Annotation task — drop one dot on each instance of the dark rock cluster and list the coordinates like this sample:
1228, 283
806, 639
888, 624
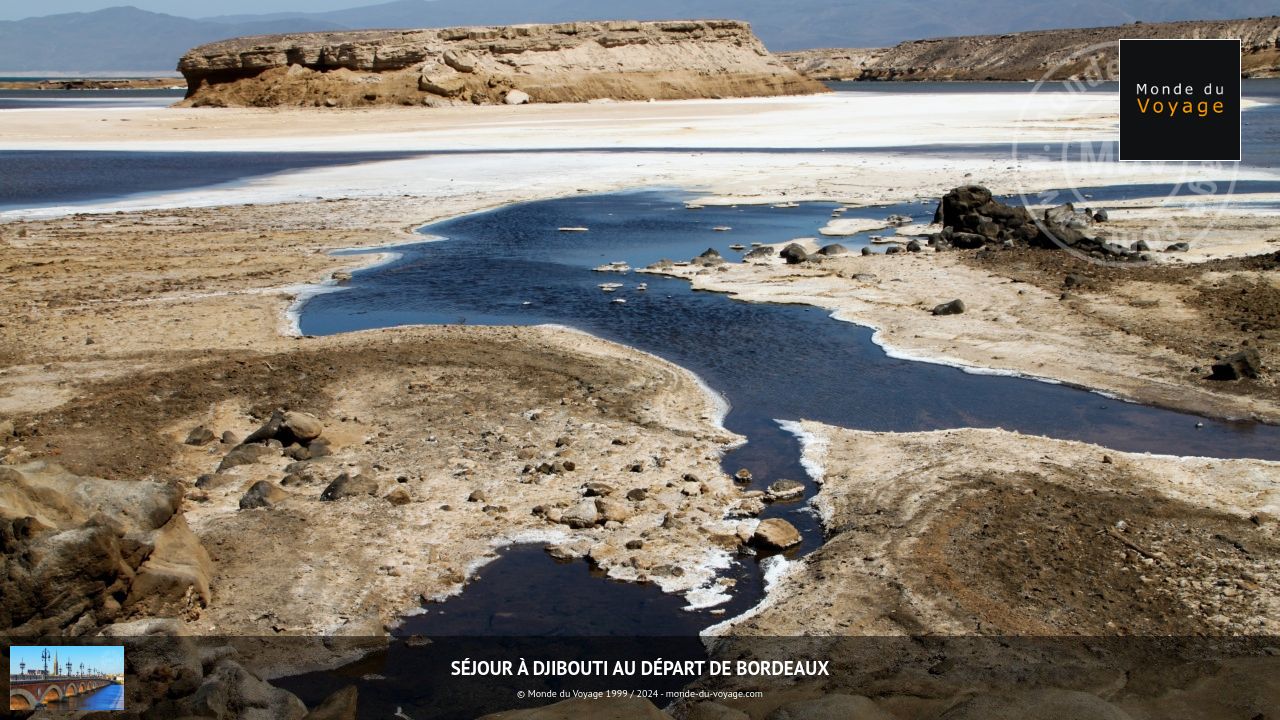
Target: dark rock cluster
971, 218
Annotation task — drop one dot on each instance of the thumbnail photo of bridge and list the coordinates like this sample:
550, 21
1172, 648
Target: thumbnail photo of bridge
66, 677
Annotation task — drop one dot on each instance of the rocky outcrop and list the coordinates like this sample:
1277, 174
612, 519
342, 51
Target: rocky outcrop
568, 62
1051, 54
81, 552
971, 218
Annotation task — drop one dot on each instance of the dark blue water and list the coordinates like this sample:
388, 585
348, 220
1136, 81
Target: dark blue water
31, 179
511, 266
41, 178
110, 697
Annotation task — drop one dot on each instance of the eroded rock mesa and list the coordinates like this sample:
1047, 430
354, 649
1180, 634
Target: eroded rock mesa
567, 62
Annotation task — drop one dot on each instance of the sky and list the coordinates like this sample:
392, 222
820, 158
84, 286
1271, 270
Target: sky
107, 658
18, 9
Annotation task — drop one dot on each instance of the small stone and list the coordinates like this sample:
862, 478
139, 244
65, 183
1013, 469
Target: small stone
776, 534
230, 438
262, 494
635, 544
786, 490
742, 476
200, 435
516, 97
612, 510
637, 494
304, 426
246, 455
794, 254
583, 515
597, 489
955, 307
1244, 364
399, 496
347, 486
478, 496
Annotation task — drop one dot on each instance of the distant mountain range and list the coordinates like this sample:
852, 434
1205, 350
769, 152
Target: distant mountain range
129, 39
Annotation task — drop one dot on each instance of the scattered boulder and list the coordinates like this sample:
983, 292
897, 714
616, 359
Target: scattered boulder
709, 257
1066, 215
230, 438
914, 246
1140, 246
776, 534
611, 510
597, 489
1245, 364
785, 490
516, 97
1178, 247
262, 494
833, 249
1100, 216
399, 497
583, 515
955, 307
347, 486
867, 251
966, 240
245, 454
760, 253
794, 254
269, 430
743, 476
200, 435
304, 426
637, 494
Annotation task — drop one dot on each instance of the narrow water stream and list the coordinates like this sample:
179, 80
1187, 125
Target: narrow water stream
772, 362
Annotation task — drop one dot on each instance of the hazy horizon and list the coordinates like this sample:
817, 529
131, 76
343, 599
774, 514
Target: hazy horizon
182, 8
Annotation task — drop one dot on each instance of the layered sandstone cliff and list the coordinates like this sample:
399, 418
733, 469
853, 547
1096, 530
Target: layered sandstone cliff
1047, 54
568, 62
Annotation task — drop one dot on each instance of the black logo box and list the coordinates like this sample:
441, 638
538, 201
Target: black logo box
1180, 62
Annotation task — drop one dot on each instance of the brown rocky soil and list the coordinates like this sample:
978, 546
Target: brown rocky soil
123, 333
570, 62
1206, 310
1098, 578
1036, 55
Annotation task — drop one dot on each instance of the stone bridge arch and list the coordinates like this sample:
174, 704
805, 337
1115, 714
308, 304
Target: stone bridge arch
53, 693
20, 699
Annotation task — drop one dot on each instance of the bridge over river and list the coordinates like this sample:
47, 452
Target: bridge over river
27, 692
